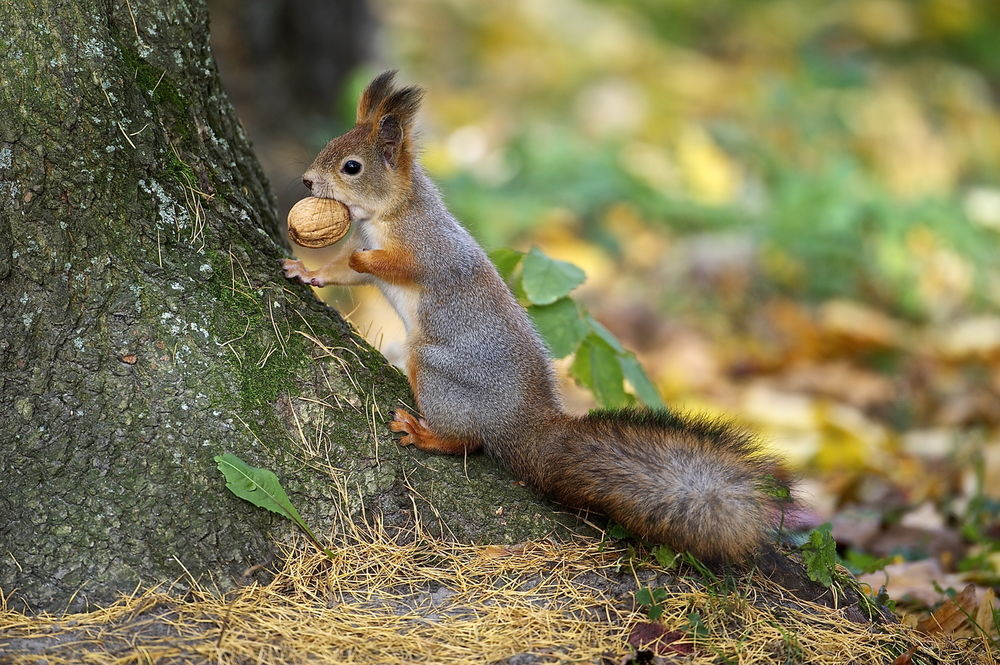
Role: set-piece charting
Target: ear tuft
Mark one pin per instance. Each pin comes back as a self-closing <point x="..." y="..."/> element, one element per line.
<point x="403" y="103"/>
<point x="382" y="98"/>
<point x="377" y="90"/>
<point x="390" y="113"/>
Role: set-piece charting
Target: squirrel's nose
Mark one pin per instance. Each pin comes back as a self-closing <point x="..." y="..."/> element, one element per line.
<point x="308" y="183"/>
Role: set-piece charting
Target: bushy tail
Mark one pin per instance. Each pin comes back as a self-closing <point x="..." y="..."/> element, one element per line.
<point x="696" y="485"/>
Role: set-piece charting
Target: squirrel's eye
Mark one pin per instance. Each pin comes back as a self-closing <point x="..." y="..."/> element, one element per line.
<point x="351" y="167"/>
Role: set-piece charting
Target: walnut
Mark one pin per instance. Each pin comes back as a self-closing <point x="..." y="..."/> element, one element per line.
<point x="314" y="222"/>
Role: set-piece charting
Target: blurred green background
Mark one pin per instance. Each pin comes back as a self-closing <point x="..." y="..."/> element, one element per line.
<point x="789" y="209"/>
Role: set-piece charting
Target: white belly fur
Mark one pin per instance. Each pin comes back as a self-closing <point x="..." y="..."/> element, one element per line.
<point x="404" y="299"/>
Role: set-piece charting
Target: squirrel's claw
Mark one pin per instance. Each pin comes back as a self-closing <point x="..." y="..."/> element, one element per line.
<point x="295" y="269"/>
<point x="419" y="433"/>
<point x="407" y="423"/>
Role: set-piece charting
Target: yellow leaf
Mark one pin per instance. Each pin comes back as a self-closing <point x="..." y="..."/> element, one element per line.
<point x="710" y="176"/>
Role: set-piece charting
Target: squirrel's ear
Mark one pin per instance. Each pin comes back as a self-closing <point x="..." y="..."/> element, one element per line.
<point x="374" y="94"/>
<point x="395" y="123"/>
<point x="390" y="137"/>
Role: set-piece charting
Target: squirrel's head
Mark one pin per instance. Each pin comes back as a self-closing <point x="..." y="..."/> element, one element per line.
<point x="368" y="169"/>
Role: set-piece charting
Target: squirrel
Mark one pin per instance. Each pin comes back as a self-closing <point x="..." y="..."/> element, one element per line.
<point x="481" y="374"/>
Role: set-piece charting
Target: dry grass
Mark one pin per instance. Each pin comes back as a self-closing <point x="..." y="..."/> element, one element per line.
<point x="421" y="600"/>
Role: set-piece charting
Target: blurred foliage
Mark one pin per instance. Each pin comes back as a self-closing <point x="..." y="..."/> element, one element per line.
<point x="854" y="144"/>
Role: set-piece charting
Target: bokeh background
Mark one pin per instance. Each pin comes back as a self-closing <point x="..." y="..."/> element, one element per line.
<point x="790" y="210"/>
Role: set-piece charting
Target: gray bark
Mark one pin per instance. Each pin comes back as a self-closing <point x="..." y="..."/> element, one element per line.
<point x="146" y="327"/>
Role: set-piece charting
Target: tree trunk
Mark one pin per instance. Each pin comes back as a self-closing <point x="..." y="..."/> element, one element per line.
<point x="146" y="328"/>
<point x="284" y="64"/>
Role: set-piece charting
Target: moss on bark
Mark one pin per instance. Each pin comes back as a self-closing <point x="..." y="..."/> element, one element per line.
<point x="146" y="328"/>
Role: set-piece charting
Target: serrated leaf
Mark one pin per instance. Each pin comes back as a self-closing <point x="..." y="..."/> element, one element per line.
<point x="546" y="280"/>
<point x="644" y="597"/>
<point x="820" y="555"/>
<point x="664" y="556"/>
<point x="506" y="261"/>
<point x="773" y="487"/>
<point x="560" y="324"/>
<point x="696" y="626"/>
<point x="617" y="531"/>
<point x="596" y="367"/>
<point x="644" y="388"/>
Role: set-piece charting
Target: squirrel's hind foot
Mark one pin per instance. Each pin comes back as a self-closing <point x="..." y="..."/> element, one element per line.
<point x="417" y="432"/>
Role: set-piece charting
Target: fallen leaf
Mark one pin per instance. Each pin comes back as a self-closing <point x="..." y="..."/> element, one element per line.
<point x="952" y="614"/>
<point x="974" y="337"/>
<point x="913" y="580"/>
<point x="930" y="443"/>
<point x="656" y="638"/>
<point x="859" y="323"/>
<point x="938" y="544"/>
<point x="926" y="516"/>
<point x="767" y="406"/>
<point x="905" y="658"/>
<point x="856" y="526"/>
<point x="984" y="615"/>
<point x="842" y="381"/>
<point x="498" y="551"/>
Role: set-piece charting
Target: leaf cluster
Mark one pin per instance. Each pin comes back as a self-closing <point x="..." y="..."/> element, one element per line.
<point x="600" y="363"/>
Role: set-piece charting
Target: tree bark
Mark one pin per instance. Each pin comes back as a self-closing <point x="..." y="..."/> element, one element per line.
<point x="146" y="328"/>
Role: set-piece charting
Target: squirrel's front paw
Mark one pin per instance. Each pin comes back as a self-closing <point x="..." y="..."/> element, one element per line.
<point x="359" y="260"/>
<point x="295" y="269"/>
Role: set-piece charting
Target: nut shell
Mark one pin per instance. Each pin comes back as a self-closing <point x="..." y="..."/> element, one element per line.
<point x="314" y="222"/>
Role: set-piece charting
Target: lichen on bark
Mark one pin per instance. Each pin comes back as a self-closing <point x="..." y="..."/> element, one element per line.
<point x="146" y="328"/>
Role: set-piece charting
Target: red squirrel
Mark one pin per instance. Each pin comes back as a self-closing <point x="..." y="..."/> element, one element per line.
<point x="482" y="376"/>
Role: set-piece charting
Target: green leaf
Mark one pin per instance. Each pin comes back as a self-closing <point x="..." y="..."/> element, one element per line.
<point x="617" y="531"/>
<point x="637" y="378"/>
<point x="605" y="334"/>
<point x="258" y="486"/>
<point x="664" y="556"/>
<point x="774" y="487"/>
<point x="596" y="367"/>
<point x="859" y="562"/>
<point x="506" y="260"/>
<point x="560" y="324"/>
<point x="695" y="625"/>
<point x="644" y="597"/>
<point x="652" y="600"/>
<point x="546" y="280"/>
<point x="261" y="488"/>
<point x="820" y="555"/>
